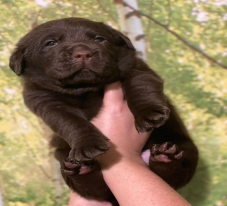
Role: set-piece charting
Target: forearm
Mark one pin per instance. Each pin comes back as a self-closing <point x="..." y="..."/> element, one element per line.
<point x="132" y="183"/>
<point x="124" y="171"/>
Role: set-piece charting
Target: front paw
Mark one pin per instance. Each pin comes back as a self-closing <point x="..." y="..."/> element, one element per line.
<point x="150" y="118"/>
<point x="88" y="148"/>
<point x="166" y="152"/>
<point x="76" y="168"/>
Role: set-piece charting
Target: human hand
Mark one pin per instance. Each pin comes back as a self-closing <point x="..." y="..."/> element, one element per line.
<point x="130" y="177"/>
<point x="77" y="200"/>
<point x="116" y="122"/>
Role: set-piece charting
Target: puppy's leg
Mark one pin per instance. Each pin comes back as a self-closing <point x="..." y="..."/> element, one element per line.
<point x="144" y="94"/>
<point x="84" y="179"/>
<point x="85" y="140"/>
<point x="173" y="155"/>
<point x="89" y="185"/>
<point x="172" y="164"/>
<point x="62" y="155"/>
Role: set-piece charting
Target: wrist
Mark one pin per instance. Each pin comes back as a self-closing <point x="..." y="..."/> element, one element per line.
<point x="115" y="156"/>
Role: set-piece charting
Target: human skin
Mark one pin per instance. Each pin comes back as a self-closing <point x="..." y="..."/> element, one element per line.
<point x="123" y="169"/>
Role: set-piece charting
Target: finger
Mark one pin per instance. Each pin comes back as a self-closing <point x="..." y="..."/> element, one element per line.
<point x="113" y="94"/>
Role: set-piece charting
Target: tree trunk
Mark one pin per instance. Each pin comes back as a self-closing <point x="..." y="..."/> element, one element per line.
<point x="58" y="182"/>
<point x="56" y="177"/>
<point x="1" y="191"/>
<point x="130" y="25"/>
<point x="1" y="199"/>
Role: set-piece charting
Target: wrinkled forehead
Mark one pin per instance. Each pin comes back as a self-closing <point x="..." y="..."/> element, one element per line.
<point x="79" y="29"/>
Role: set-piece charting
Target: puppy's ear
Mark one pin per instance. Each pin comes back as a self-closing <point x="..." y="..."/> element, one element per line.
<point x="126" y="40"/>
<point x="17" y="62"/>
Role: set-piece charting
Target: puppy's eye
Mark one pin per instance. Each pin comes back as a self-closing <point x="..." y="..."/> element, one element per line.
<point x="99" y="39"/>
<point x="51" y="43"/>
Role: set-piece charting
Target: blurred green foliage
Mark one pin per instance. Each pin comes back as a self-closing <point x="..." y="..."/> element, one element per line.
<point x="196" y="85"/>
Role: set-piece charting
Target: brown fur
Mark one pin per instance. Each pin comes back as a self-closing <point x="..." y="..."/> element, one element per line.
<point x="65" y="64"/>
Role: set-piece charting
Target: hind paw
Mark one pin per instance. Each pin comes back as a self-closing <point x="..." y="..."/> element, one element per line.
<point x="77" y="168"/>
<point x="166" y="152"/>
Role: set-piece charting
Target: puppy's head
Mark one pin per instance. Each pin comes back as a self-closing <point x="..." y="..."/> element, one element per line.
<point x="73" y="55"/>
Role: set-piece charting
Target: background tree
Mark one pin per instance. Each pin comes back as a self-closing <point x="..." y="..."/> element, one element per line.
<point x="186" y="44"/>
<point x="131" y="25"/>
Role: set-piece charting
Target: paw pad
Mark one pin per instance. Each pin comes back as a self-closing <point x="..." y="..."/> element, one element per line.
<point x="77" y="168"/>
<point x="166" y="152"/>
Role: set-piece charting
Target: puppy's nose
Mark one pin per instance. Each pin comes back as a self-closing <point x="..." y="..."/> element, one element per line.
<point x="82" y="54"/>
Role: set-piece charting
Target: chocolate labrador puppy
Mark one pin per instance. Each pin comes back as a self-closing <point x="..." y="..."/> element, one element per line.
<point x="65" y="65"/>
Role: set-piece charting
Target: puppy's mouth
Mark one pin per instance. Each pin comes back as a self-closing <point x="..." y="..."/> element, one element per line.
<point x="86" y="79"/>
<point x="82" y="78"/>
<point x="80" y="85"/>
<point x="75" y="85"/>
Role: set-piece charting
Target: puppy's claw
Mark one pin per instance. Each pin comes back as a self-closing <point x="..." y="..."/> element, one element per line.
<point x="85" y="169"/>
<point x="87" y="150"/>
<point x="163" y="147"/>
<point x="71" y="165"/>
<point x="165" y="153"/>
<point x="171" y="150"/>
<point x="77" y="168"/>
<point x="148" y="119"/>
<point x="154" y="149"/>
<point x="68" y="172"/>
<point x="179" y="156"/>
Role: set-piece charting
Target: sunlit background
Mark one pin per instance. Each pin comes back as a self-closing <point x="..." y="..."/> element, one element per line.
<point x="189" y="52"/>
